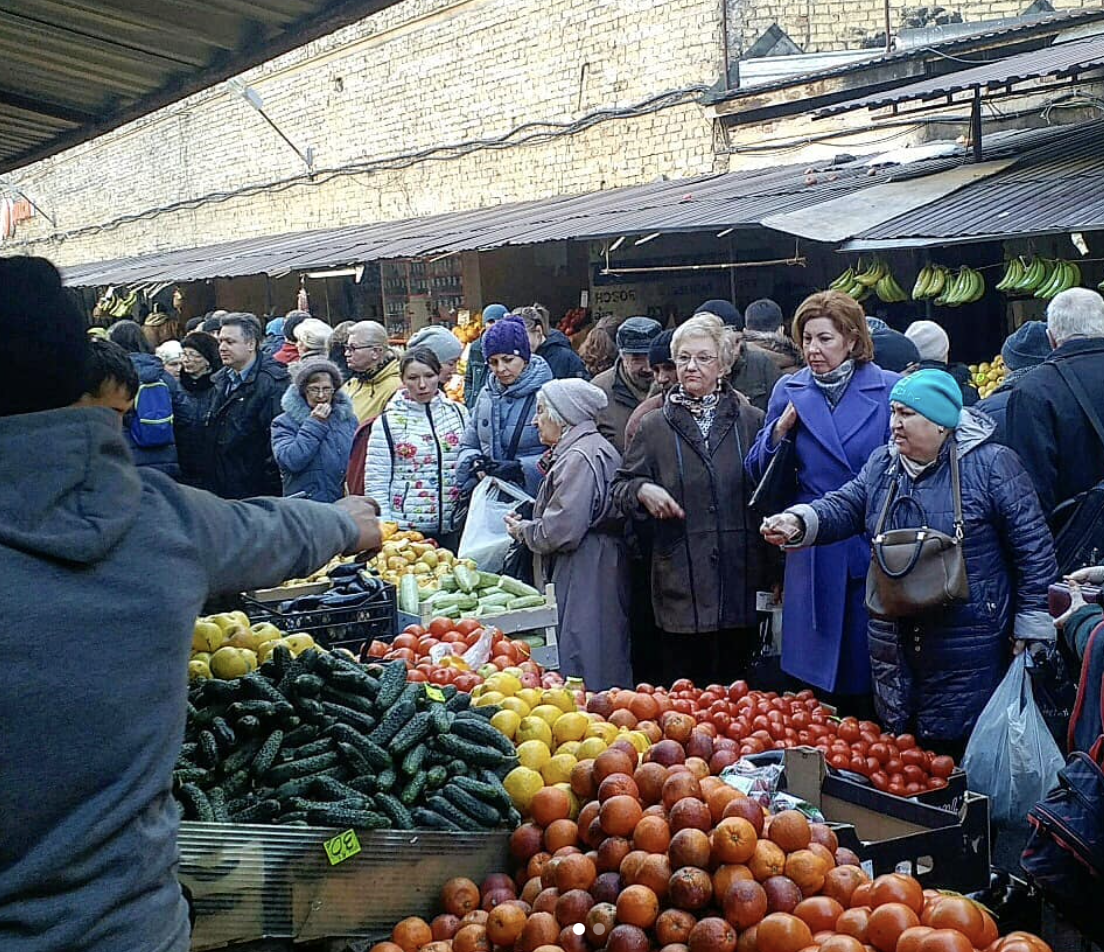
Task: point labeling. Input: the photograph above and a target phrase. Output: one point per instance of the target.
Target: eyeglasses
(355, 347)
(320, 391)
(702, 360)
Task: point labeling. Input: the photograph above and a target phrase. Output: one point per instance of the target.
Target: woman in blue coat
(836, 412)
(501, 438)
(312, 438)
(934, 672)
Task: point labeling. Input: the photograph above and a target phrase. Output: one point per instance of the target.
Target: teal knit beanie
(934, 394)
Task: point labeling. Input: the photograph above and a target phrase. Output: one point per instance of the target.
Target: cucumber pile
(468, 593)
(321, 740)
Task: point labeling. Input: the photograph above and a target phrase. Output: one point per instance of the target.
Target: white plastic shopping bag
(1011, 757)
(485, 539)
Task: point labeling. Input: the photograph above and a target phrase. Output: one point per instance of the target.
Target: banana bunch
(116, 305)
(1064, 275)
(1042, 277)
(860, 282)
(965, 287)
(931, 281)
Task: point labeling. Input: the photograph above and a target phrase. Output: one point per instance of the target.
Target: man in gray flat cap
(629, 381)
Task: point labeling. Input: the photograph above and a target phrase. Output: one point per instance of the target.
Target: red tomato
(501, 662)
(914, 774)
(472, 637)
(405, 641)
(418, 676)
(466, 681)
(682, 684)
(737, 690)
(442, 675)
(914, 756)
(840, 761)
(403, 654)
(425, 643)
(721, 720)
(936, 783)
(880, 780)
(941, 767)
(439, 626)
(906, 741)
(849, 730)
(378, 649)
(522, 648)
(879, 752)
(467, 625)
(451, 637)
(414, 630)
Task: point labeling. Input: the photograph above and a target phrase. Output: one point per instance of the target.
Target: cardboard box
(285, 593)
(250, 882)
(941, 847)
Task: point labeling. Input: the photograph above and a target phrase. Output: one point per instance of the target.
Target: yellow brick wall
(421, 75)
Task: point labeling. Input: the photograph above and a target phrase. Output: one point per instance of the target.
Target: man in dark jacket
(551, 344)
(763, 330)
(248, 391)
(114, 563)
(1022, 352)
(629, 381)
(935, 354)
(892, 350)
(754, 373)
(1046, 425)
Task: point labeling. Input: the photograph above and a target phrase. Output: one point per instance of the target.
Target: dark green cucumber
(301, 768)
(414, 760)
(436, 777)
(362, 722)
(216, 796)
(414, 788)
(190, 775)
(256, 685)
(357, 819)
(266, 756)
(413, 732)
(242, 757)
(386, 780)
(392, 723)
(309, 685)
(196, 804)
(471, 753)
(449, 811)
(392, 682)
(483, 813)
(479, 731)
(376, 755)
(257, 812)
(208, 754)
(428, 819)
(392, 806)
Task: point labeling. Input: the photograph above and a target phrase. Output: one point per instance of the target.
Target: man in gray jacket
(105, 568)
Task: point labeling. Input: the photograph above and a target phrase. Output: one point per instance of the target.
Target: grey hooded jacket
(105, 568)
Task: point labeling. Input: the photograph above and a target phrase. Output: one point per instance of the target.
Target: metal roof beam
(40, 108)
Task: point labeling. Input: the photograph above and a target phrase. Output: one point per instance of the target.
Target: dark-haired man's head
(45, 340)
(239, 336)
(112, 380)
(763, 315)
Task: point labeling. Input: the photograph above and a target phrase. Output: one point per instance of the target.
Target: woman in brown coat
(685, 472)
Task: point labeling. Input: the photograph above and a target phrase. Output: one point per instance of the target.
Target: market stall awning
(787, 198)
(1074, 58)
(1054, 189)
(76, 69)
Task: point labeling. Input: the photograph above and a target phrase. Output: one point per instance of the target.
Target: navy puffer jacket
(933, 674)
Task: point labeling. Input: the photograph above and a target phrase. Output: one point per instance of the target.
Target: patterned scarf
(702, 409)
(834, 383)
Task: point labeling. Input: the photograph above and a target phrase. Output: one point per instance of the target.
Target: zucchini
(392, 682)
(266, 756)
(301, 768)
(376, 756)
(413, 732)
(216, 797)
(467, 579)
(393, 722)
(195, 803)
(447, 583)
(526, 601)
(471, 753)
(408, 599)
(414, 788)
(488, 580)
(465, 603)
(443, 600)
(514, 587)
(483, 813)
(474, 728)
(398, 814)
(495, 601)
(427, 819)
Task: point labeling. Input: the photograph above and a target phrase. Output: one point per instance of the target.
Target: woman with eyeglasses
(414, 450)
(835, 413)
(684, 474)
(312, 438)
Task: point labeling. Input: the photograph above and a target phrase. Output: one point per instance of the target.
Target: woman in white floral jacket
(412, 452)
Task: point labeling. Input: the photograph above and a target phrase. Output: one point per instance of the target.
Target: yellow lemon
(531, 696)
(571, 726)
(590, 748)
(604, 731)
(508, 684)
(548, 713)
(570, 747)
(522, 784)
(561, 698)
(639, 741)
(558, 769)
(490, 697)
(515, 704)
(533, 754)
(533, 728)
(507, 722)
(572, 799)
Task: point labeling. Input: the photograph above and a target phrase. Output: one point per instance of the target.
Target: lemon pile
(550, 733)
(988, 376)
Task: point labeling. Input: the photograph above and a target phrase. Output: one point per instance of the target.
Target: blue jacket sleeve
(1081, 625)
(761, 452)
(295, 447)
(840, 514)
(258, 543)
(1027, 539)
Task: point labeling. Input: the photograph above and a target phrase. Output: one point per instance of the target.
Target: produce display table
(252, 882)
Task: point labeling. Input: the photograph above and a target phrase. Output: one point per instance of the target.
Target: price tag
(341, 847)
(434, 693)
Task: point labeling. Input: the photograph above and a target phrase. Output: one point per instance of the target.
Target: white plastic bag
(1011, 757)
(485, 539)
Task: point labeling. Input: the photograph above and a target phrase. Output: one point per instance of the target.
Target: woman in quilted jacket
(934, 672)
(414, 450)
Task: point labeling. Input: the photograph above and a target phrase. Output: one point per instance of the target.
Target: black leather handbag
(916, 571)
(778, 487)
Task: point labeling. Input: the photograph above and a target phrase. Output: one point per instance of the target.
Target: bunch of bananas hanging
(1042, 277)
(860, 282)
(947, 288)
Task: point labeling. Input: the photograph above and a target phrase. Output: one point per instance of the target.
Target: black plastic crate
(333, 627)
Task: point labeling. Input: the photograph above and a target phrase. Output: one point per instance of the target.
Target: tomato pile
(745, 722)
(414, 644)
(669, 858)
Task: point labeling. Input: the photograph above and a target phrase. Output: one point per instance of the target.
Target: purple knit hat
(507, 336)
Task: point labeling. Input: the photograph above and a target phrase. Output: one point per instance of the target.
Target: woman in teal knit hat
(933, 673)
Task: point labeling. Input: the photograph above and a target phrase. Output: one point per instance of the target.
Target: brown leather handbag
(916, 571)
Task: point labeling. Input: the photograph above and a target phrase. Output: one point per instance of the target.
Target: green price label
(434, 693)
(341, 847)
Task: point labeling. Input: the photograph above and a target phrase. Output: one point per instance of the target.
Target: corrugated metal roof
(731, 200)
(1060, 60)
(74, 69)
(1021, 28)
(1056, 187)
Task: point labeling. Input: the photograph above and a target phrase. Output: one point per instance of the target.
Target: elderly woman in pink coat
(576, 544)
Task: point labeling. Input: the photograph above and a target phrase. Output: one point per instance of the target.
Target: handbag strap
(523, 422)
(1081, 397)
(956, 495)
